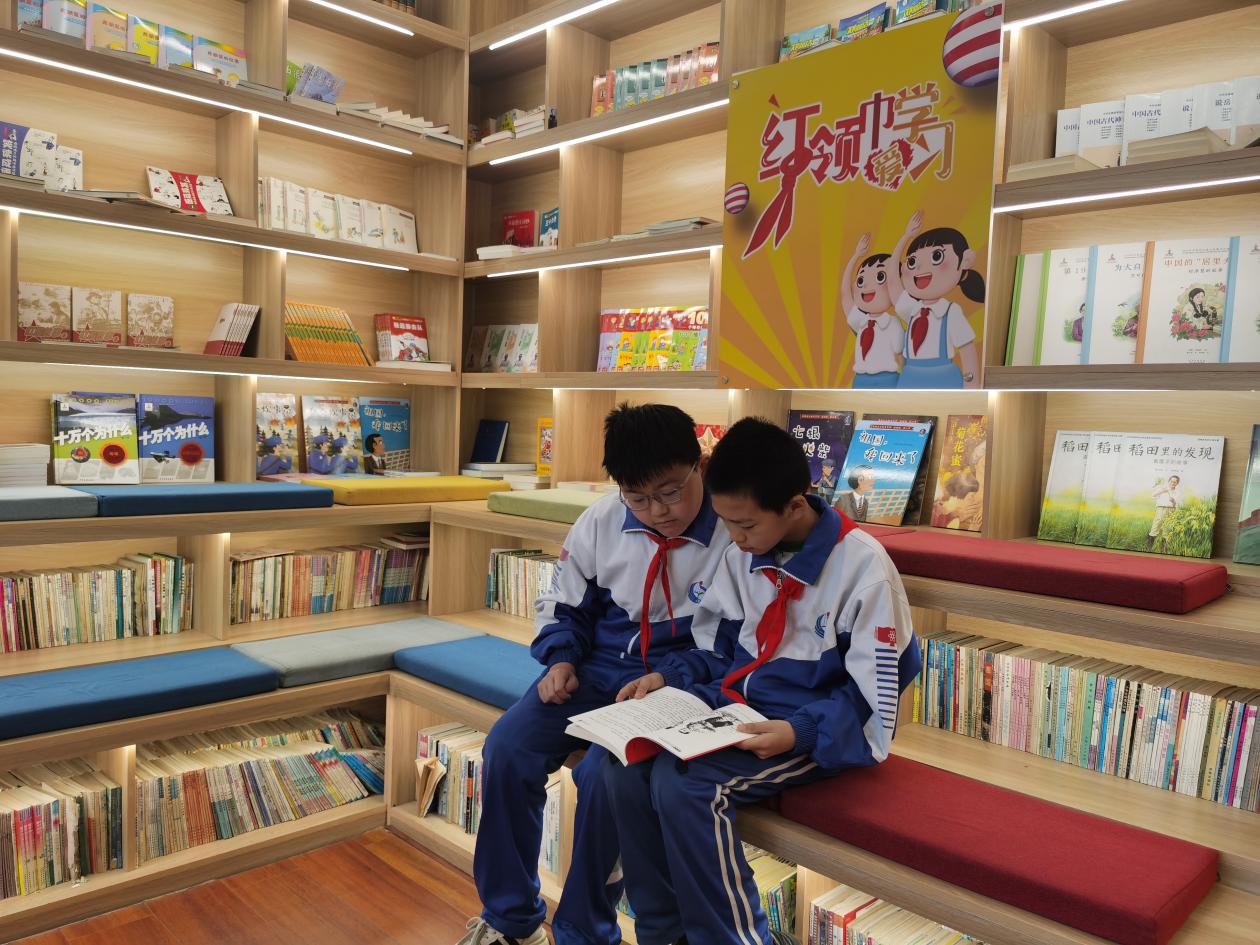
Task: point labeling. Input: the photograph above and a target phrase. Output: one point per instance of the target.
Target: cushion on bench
(489, 669)
(86, 695)
(880, 532)
(18, 503)
(379, 490)
(176, 499)
(353, 651)
(1146, 582)
(1118, 882)
(550, 505)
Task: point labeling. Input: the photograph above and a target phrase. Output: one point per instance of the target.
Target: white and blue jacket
(848, 648)
(592, 614)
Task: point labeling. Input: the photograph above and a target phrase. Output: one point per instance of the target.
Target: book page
(615, 725)
(711, 732)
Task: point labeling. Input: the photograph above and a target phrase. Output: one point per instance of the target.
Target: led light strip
(216, 373)
(185, 96)
(694, 250)
(197, 236)
(1059, 14)
(563, 18)
(609, 132)
(1122, 194)
(362, 16)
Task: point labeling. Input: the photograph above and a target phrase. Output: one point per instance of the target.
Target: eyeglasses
(670, 496)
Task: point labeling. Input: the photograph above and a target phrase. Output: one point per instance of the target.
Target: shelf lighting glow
(563, 18)
(609, 132)
(1122, 194)
(1060, 14)
(362, 16)
(187, 97)
(694, 250)
(197, 236)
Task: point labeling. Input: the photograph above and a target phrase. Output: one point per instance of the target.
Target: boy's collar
(807, 564)
(700, 531)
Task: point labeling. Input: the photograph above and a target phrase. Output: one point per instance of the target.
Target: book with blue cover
(880, 470)
(490, 442)
(386, 426)
(824, 436)
(176, 438)
(861, 25)
(334, 435)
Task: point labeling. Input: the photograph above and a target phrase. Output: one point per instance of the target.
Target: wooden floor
(376, 889)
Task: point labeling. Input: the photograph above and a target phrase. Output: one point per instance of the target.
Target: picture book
(1067, 134)
(295, 208)
(1113, 310)
(386, 426)
(273, 215)
(476, 342)
(861, 25)
(30, 13)
(321, 214)
(549, 228)
(1098, 488)
(276, 418)
(708, 435)
(176, 438)
(914, 507)
(525, 360)
(191, 193)
(349, 219)
(601, 93)
(400, 230)
(316, 82)
(150, 321)
(94, 438)
(1166, 492)
(1246, 111)
(144, 37)
(799, 44)
(106, 27)
(66, 171)
(401, 338)
(96, 316)
(669, 719)
(1102, 132)
(707, 59)
(1062, 314)
(1141, 120)
(1186, 290)
(490, 441)
(26, 152)
(519, 227)
(175, 48)
(1241, 341)
(334, 437)
(373, 224)
(1021, 338)
(44, 312)
(883, 461)
(219, 59)
(66, 16)
(490, 351)
(1247, 548)
(824, 436)
(959, 498)
(546, 445)
(1061, 505)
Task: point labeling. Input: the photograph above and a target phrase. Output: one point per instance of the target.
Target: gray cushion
(30, 502)
(334, 654)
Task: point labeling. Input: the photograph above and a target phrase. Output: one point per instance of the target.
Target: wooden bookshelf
(314, 623)
(1109, 22)
(1139, 377)
(645, 251)
(595, 380)
(110, 651)
(425, 36)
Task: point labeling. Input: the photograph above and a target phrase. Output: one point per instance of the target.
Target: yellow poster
(859, 192)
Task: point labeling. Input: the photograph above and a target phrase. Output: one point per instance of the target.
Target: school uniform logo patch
(820, 625)
(696, 592)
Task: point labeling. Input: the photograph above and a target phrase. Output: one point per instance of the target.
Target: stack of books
(516, 578)
(231, 330)
(845, 916)
(497, 470)
(458, 748)
(653, 339)
(515, 123)
(24, 464)
(588, 485)
(384, 117)
(344, 729)
(682, 225)
(322, 334)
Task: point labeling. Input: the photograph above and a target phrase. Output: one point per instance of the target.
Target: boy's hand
(561, 680)
(772, 738)
(641, 687)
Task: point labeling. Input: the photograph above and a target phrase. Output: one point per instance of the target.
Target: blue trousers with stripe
(524, 747)
(684, 864)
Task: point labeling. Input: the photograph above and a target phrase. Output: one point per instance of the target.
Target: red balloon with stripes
(973, 46)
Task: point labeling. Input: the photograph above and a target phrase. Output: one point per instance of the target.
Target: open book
(668, 718)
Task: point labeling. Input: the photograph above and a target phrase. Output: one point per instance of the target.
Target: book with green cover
(94, 438)
(1061, 507)
(1247, 550)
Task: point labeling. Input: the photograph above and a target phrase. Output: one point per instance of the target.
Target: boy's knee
(669, 783)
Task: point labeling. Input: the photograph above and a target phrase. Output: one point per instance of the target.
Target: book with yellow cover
(143, 37)
(546, 445)
(106, 27)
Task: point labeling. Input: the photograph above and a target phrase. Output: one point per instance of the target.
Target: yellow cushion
(385, 490)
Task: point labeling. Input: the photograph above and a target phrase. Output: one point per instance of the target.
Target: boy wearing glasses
(632, 573)
(808, 623)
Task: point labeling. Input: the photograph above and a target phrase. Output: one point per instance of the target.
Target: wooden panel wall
(517, 91)
(326, 167)
(675, 36)
(360, 290)
(371, 73)
(221, 22)
(1210, 216)
(521, 409)
(681, 283)
(704, 406)
(681, 179)
(502, 302)
(805, 14)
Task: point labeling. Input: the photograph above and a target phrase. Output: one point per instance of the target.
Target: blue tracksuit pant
(524, 747)
(685, 870)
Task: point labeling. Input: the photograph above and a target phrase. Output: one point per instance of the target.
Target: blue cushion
(86, 695)
(488, 669)
(162, 499)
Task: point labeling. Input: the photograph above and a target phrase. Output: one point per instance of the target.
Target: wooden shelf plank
(1124, 377)
(60, 905)
(1111, 187)
(109, 651)
(426, 36)
(622, 130)
(1235, 833)
(646, 251)
(497, 624)
(338, 619)
(153, 359)
(476, 516)
(48, 59)
(220, 229)
(595, 380)
(1118, 19)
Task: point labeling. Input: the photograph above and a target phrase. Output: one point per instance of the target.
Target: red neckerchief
(659, 566)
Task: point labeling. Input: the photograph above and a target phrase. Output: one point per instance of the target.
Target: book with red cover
(401, 337)
(520, 227)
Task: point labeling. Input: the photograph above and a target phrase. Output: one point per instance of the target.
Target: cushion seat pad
(206, 497)
(488, 669)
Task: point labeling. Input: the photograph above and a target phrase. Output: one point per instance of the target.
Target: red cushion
(880, 532)
(1141, 581)
(1118, 882)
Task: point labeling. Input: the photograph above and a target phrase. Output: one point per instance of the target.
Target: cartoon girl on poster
(936, 263)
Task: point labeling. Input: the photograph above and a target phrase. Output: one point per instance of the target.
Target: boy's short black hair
(761, 460)
(642, 442)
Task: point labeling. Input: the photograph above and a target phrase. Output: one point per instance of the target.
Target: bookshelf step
(595, 380)
(58, 62)
(1235, 833)
(496, 623)
(1116, 19)
(626, 130)
(1124, 377)
(426, 36)
(109, 651)
(60, 905)
(1134, 185)
(475, 516)
(646, 251)
(355, 617)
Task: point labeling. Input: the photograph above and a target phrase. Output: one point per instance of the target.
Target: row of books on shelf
(640, 83)
(1168, 731)
(514, 123)
(517, 578)
(269, 584)
(659, 228)
(870, 22)
(449, 767)
(294, 208)
(331, 436)
(525, 231)
(382, 116)
(653, 339)
(502, 349)
(94, 316)
(1162, 302)
(846, 916)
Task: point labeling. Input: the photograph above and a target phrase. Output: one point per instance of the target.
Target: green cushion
(550, 505)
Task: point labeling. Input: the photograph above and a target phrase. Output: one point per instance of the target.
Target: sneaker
(481, 932)
(783, 938)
